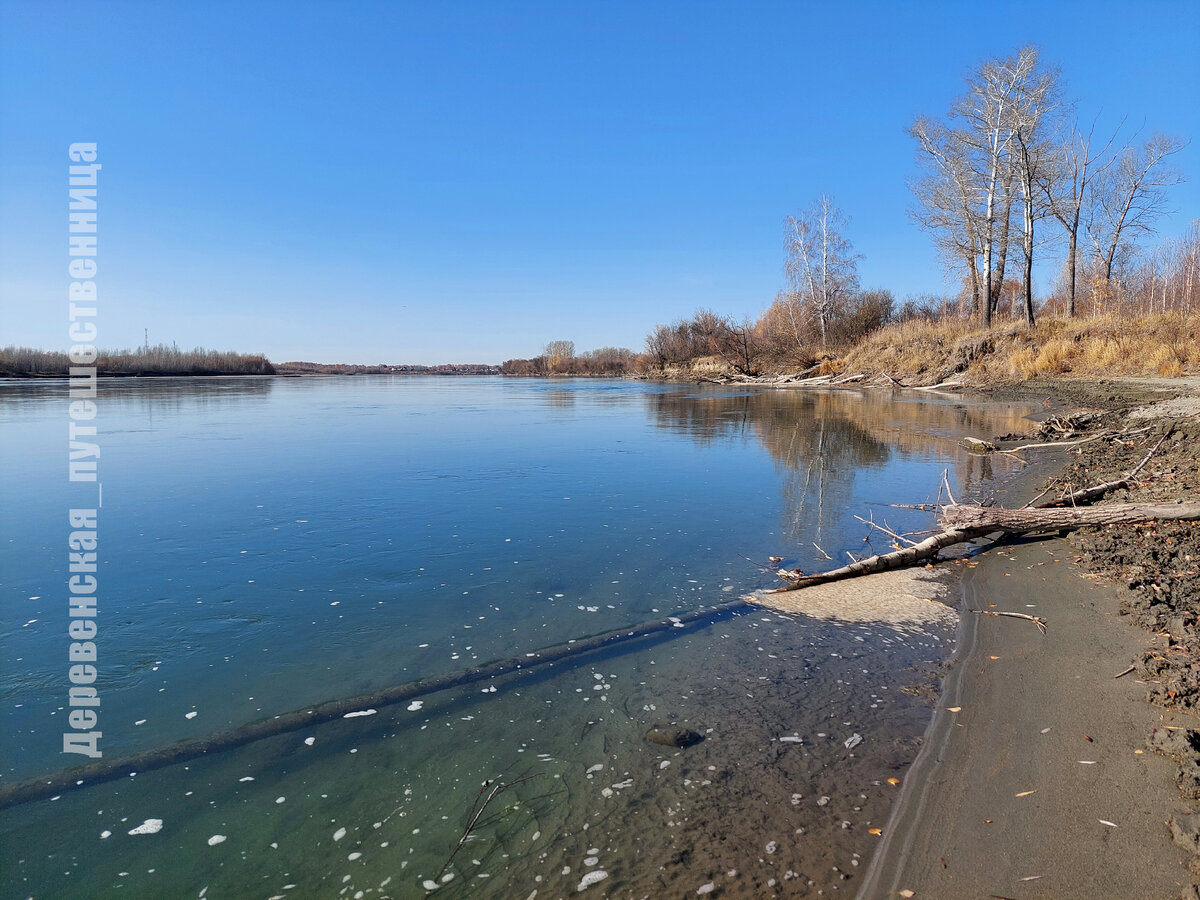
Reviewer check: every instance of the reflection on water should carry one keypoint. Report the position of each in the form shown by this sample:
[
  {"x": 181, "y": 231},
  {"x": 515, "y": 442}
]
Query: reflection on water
[
  {"x": 271, "y": 543},
  {"x": 823, "y": 441}
]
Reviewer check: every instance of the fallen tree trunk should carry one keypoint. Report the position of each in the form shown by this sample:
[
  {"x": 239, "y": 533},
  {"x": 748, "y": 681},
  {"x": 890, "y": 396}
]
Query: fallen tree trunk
[
  {"x": 94, "y": 773},
  {"x": 1023, "y": 521},
  {"x": 882, "y": 562},
  {"x": 964, "y": 522}
]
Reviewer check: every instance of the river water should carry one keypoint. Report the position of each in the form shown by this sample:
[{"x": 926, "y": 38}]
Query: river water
[{"x": 268, "y": 544}]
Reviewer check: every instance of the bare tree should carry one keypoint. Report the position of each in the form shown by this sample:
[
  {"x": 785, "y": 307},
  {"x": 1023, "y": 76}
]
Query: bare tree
[
  {"x": 738, "y": 345},
  {"x": 1129, "y": 198},
  {"x": 946, "y": 199},
  {"x": 821, "y": 264},
  {"x": 1066, "y": 184}
]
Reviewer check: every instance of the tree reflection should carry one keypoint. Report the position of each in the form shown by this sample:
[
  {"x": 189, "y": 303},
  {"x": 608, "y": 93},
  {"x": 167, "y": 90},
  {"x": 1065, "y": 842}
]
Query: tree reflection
[{"x": 822, "y": 440}]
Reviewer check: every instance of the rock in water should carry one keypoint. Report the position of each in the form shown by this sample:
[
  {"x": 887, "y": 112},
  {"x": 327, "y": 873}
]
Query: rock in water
[{"x": 673, "y": 736}]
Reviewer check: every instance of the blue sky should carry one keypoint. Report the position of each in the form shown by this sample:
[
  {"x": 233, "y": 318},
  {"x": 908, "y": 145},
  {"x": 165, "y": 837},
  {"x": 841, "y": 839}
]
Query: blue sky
[{"x": 465, "y": 181}]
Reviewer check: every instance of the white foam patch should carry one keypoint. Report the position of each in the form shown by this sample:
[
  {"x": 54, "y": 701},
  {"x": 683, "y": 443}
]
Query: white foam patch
[
  {"x": 150, "y": 826},
  {"x": 415, "y": 705},
  {"x": 361, "y": 712},
  {"x": 593, "y": 877},
  {"x": 216, "y": 839}
]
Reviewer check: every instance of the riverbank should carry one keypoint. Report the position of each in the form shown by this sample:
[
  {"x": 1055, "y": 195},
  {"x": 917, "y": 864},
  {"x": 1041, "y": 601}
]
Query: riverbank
[{"x": 1039, "y": 775}]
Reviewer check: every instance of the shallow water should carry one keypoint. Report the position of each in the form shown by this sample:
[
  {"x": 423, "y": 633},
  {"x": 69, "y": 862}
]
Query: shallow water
[{"x": 272, "y": 543}]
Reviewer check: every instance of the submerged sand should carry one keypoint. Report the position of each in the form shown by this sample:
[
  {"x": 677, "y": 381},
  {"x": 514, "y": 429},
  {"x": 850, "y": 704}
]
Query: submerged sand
[{"x": 905, "y": 597}]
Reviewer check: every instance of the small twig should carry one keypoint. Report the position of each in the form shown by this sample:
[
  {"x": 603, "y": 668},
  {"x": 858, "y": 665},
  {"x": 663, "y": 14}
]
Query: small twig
[
  {"x": 892, "y": 534},
  {"x": 752, "y": 562},
  {"x": 924, "y": 507},
  {"x": 1125, "y": 672},
  {"x": 946, "y": 484},
  {"x": 822, "y": 552},
  {"x": 1043, "y": 493},
  {"x": 1036, "y": 620},
  {"x": 497, "y": 788}
]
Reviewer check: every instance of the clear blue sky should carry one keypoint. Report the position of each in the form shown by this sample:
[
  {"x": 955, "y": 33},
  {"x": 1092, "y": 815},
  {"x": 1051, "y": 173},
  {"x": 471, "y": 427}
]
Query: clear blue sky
[{"x": 465, "y": 181}]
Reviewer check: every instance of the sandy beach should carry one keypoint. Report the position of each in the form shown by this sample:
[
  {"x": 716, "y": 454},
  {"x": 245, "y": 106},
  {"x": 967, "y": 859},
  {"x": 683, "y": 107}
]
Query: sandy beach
[{"x": 1036, "y": 778}]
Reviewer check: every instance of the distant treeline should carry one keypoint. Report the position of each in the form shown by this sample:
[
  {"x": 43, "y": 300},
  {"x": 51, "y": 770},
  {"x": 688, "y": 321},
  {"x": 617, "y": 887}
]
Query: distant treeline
[
  {"x": 311, "y": 368},
  {"x": 559, "y": 358},
  {"x": 27, "y": 362}
]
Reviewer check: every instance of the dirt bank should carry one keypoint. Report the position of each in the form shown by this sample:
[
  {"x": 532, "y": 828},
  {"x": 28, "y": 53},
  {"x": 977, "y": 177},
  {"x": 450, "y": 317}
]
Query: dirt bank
[{"x": 1043, "y": 774}]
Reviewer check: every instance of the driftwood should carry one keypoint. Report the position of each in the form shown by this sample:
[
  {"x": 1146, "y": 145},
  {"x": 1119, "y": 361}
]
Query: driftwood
[
  {"x": 45, "y": 786},
  {"x": 882, "y": 562},
  {"x": 1024, "y": 521},
  {"x": 1036, "y": 620},
  {"x": 964, "y": 522},
  {"x": 1087, "y": 495}
]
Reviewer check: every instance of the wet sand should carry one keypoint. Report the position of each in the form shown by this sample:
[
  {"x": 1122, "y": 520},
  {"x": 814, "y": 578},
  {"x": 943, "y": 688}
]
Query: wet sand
[
  {"x": 1028, "y": 705},
  {"x": 1035, "y": 779}
]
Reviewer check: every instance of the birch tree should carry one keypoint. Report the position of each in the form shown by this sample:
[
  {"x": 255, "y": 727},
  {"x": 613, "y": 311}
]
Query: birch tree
[
  {"x": 1037, "y": 103},
  {"x": 979, "y": 163},
  {"x": 821, "y": 264},
  {"x": 989, "y": 111}
]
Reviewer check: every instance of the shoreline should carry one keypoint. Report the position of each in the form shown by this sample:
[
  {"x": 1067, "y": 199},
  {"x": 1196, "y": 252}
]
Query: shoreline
[{"x": 1035, "y": 778}]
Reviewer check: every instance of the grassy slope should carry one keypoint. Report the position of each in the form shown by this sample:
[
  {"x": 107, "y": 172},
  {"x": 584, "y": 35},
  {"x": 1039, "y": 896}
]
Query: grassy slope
[{"x": 926, "y": 353}]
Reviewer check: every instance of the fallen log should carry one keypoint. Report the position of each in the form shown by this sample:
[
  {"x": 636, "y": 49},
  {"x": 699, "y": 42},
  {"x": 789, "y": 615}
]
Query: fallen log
[
  {"x": 1088, "y": 494},
  {"x": 1025, "y": 521},
  {"x": 966, "y": 522},
  {"x": 44, "y": 786}
]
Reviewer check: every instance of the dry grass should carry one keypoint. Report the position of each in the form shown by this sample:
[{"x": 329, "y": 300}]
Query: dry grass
[{"x": 925, "y": 352}]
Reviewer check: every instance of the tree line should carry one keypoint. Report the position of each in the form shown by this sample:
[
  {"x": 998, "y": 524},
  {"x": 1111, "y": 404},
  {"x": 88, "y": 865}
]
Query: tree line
[
  {"x": 1011, "y": 154},
  {"x": 559, "y": 358},
  {"x": 1010, "y": 173},
  {"x": 1013, "y": 173},
  {"x": 19, "y": 362}
]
